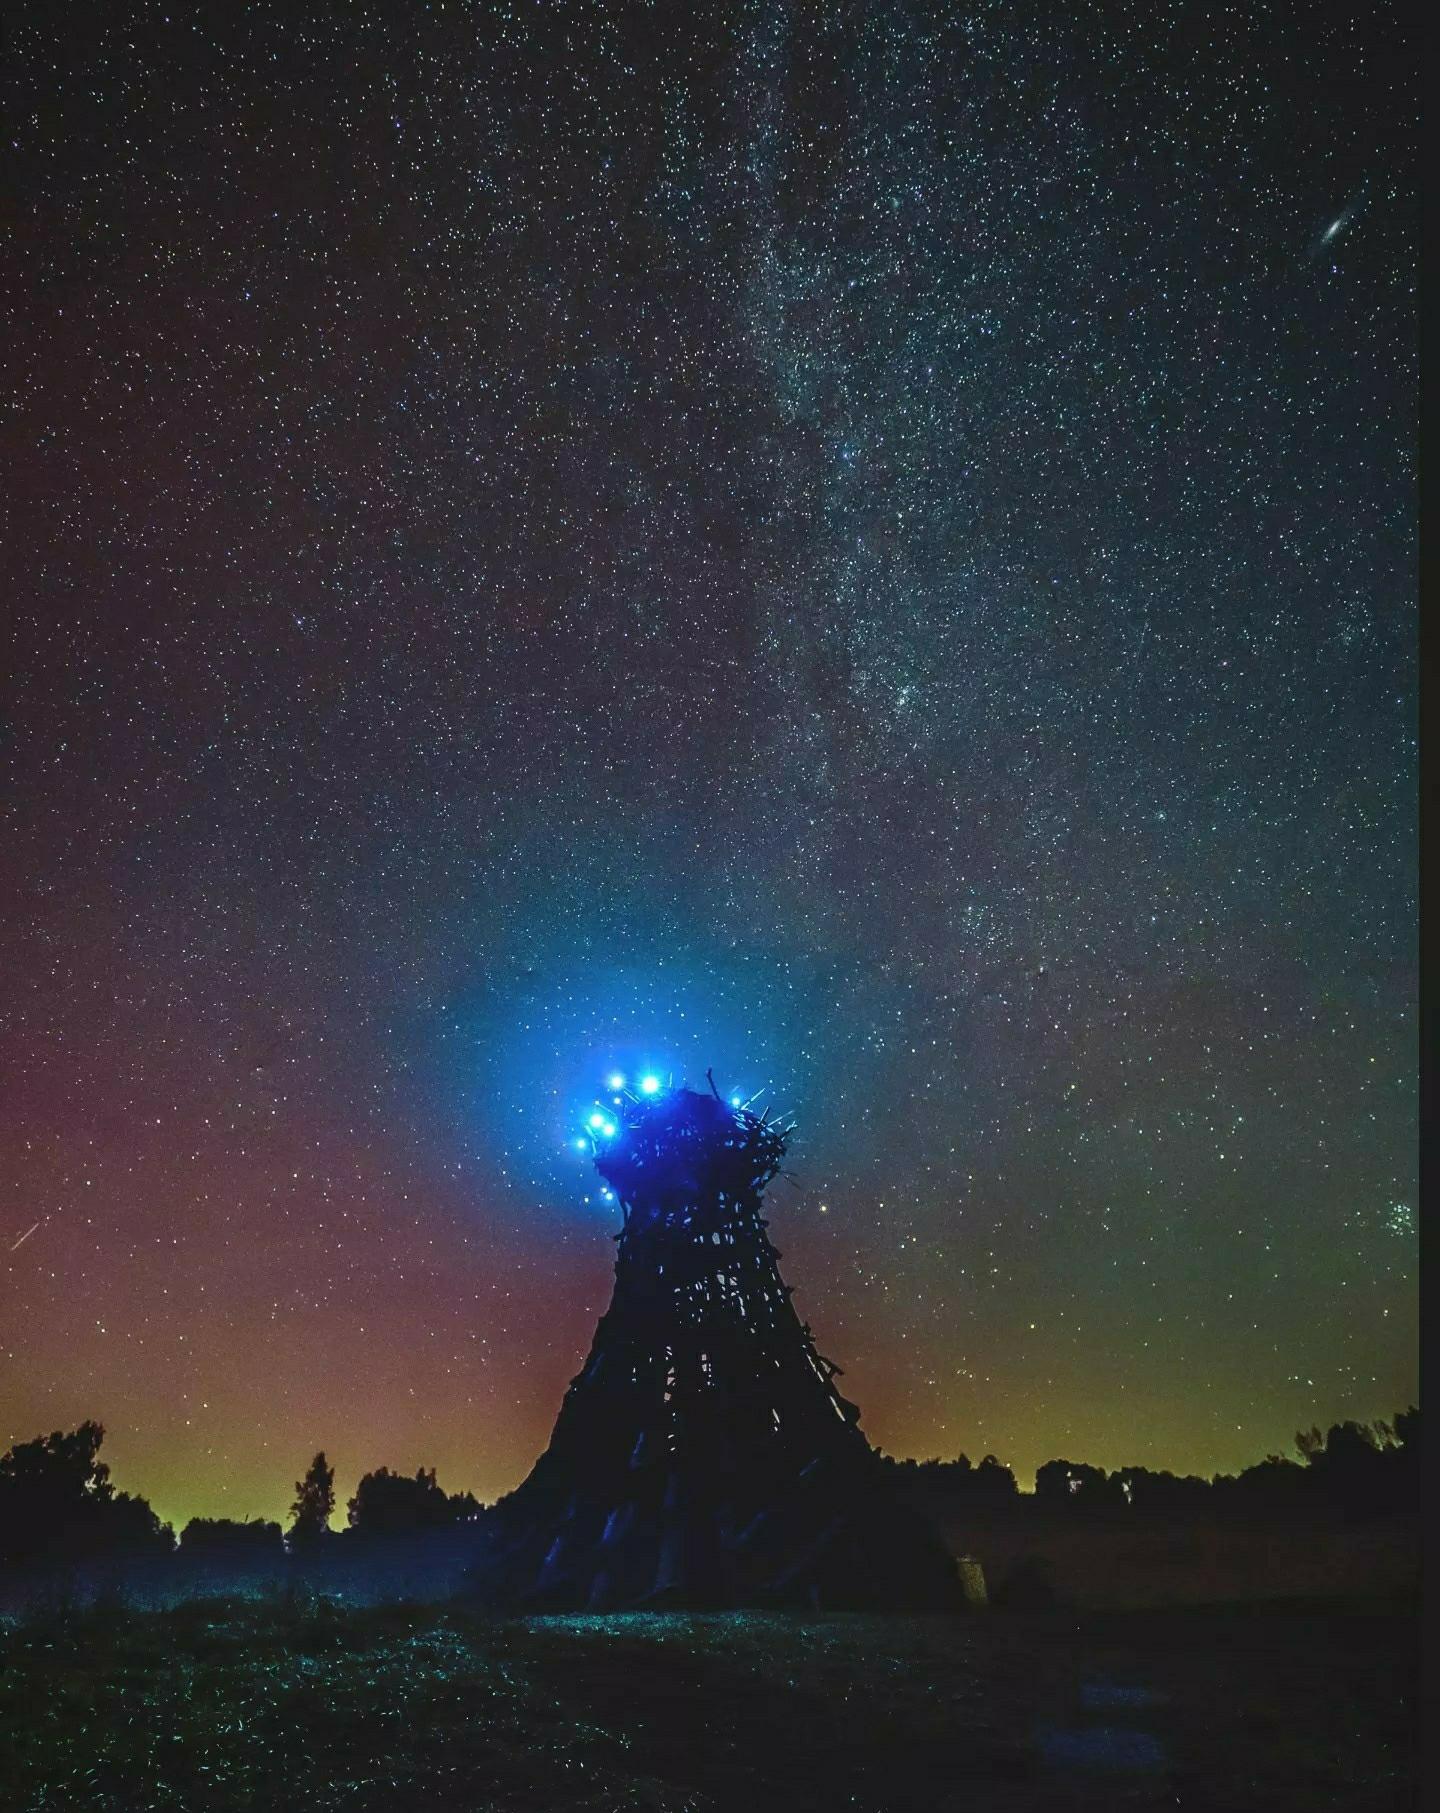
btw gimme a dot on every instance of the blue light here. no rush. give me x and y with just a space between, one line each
649 1085
597 1121
581 1144
615 1081
609 1129
734 1101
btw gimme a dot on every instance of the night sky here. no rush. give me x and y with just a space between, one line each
868 546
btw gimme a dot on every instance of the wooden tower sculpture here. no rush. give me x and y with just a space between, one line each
703 1456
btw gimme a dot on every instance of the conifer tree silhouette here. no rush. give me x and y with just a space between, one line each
314 1503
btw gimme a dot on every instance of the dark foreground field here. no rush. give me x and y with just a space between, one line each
235 1705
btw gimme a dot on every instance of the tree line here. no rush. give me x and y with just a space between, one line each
1355 1468
58 1502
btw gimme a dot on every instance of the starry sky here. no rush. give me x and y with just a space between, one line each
866 546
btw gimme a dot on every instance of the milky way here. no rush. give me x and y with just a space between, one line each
866 547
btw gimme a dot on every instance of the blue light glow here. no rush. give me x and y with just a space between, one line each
597 1121
615 1081
649 1085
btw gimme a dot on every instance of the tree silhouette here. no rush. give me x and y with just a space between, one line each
950 1485
314 1504
1407 1456
391 1504
993 1483
223 1539
1354 1465
1274 1485
57 1502
1309 1443
1151 1494
1071 1484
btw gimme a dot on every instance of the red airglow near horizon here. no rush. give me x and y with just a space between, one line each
216 1387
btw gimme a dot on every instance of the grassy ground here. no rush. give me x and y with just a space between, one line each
1122 1563
241 1705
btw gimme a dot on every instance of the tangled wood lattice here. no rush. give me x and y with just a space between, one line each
704 1455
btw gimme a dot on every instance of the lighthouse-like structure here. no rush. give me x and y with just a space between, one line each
703 1455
